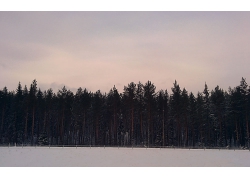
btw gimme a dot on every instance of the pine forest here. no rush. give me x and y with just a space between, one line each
139 117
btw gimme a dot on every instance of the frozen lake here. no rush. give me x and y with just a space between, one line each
122 157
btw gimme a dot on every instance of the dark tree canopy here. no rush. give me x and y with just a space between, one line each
138 116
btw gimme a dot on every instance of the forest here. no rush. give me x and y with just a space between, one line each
139 117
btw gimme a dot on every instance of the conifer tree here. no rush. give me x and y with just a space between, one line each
193 120
206 116
48 100
4 104
149 95
175 101
200 120
19 114
244 103
97 117
33 101
184 113
217 98
26 111
140 105
161 121
129 96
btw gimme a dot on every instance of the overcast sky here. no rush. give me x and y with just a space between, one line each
97 50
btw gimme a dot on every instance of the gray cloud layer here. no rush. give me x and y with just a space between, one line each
97 50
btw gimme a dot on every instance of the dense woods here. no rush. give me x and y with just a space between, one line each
138 116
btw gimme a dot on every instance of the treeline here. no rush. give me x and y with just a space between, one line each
139 116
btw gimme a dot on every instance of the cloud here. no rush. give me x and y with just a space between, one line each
98 50
19 52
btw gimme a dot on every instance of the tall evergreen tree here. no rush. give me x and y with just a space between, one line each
4 106
48 112
184 114
140 105
200 120
26 111
33 101
244 103
19 114
161 121
175 101
65 98
97 118
149 95
208 133
193 120
218 98
129 96
114 105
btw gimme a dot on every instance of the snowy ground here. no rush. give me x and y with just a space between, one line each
122 157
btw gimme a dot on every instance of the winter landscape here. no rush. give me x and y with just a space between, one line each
121 157
111 89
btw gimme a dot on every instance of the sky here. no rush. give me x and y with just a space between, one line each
97 50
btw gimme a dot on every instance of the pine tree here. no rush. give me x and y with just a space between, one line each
193 120
175 102
149 95
248 117
208 134
218 98
200 120
40 115
244 102
161 121
129 96
19 114
114 109
33 101
184 114
140 106
235 113
62 106
26 111
4 103
97 117
48 98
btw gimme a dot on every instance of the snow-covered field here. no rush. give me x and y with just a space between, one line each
120 157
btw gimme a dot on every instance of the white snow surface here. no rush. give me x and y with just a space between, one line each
121 157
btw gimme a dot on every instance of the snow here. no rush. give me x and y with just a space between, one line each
121 157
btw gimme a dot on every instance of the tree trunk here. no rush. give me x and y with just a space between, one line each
83 126
201 138
193 136
237 133
110 132
132 126
148 131
178 132
48 127
220 133
142 138
115 127
163 129
62 127
26 125
247 131
148 125
33 124
44 122
97 131
186 135
1 132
